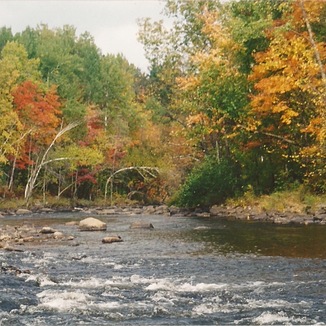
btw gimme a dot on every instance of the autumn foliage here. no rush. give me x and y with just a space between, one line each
234 100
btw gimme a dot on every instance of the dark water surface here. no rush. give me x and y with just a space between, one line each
225 272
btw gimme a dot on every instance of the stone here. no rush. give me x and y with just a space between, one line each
110 211
47 230
141 225
281 220
23 211
28 239
204 214
112 239
149 210
215 210
92 224
58 235
162 210
297 220
137 211
46 210
5 237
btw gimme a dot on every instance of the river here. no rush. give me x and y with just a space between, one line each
186 271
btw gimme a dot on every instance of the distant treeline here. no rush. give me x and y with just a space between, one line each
234 101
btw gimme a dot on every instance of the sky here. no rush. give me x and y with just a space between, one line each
112 23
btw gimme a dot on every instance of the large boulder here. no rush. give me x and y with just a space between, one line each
92 224
141 225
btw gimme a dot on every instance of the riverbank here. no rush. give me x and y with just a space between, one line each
248 213
14 236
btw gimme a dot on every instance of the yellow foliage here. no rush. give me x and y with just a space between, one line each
200 118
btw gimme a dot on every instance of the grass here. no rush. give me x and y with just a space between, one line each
12 204
295 201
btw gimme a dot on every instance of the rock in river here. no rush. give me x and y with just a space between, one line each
22 211
47 230
92 224
141 225
112 239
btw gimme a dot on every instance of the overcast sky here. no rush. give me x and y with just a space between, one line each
113 24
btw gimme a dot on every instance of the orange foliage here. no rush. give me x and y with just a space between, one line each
38 110
39 114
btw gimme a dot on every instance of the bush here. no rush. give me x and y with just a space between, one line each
210 183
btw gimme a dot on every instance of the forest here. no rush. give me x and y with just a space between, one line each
234 101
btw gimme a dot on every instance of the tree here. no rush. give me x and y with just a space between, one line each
288 102
42 161
60 64
15 67
5 36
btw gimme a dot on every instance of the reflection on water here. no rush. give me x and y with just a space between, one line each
215 235
263 238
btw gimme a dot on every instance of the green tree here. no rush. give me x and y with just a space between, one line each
15 67
5 36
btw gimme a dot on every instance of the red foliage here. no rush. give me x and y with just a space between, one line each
85 175
37 109
39 113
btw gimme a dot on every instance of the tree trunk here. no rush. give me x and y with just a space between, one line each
39 164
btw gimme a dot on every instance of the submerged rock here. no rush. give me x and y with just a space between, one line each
141 225
92 224
202 227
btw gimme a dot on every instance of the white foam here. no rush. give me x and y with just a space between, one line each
214 305
119 282
92 282
161 285
253 304
206 309
118 266
269 318
201 287
163 298
167 285
63 300
113 305
42 279
137 279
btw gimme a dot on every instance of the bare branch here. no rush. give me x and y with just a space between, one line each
38 166
147 169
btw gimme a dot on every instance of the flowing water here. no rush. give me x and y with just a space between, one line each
186 271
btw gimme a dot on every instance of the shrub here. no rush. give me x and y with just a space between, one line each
210 183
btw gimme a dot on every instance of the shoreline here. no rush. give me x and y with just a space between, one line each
19 236
248 213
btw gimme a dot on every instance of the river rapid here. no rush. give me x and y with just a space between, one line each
185 271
